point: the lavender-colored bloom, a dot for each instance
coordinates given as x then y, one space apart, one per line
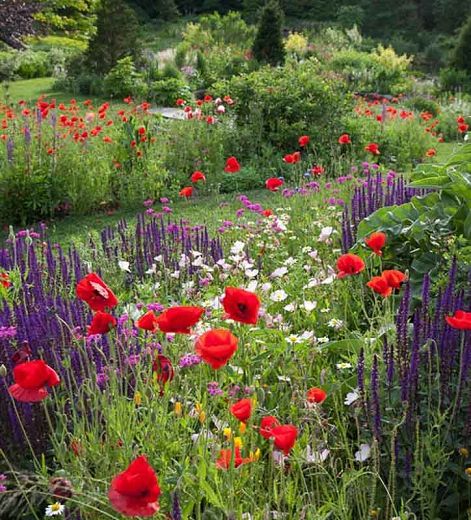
214 389
189 360
376 412
176 509
10 147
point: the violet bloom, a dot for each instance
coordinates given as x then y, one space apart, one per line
240 212
149 211
132 360
189 360
156 307
148 203
213 389
167 209
164 200
7 332
101 379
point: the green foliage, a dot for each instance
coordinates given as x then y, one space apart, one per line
75 17
165 9
422 104
117 36
165 92
454 80
350 15
268 45
122 80
462 52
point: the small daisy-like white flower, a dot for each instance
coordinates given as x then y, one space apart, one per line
351 397
323 339
364 453
343 366
278 296
325 310
293 339
55 509
251 273
284 379
124 266
309 306
291 307
335 323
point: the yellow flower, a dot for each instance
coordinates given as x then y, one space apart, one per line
177 408
242 427
255 455
238 442
138 398
198 407
468 472
227 433
464 452
202 417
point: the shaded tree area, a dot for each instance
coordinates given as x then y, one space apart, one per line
17 21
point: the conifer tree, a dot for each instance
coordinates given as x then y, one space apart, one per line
268 45
461 58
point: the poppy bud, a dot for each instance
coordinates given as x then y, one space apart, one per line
3 371
60 488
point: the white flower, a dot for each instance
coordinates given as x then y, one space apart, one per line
307 335
314 254
278 296
184 261
237 247
290 261
278 273
152 270
316 457
324 339
363 453
309 306
124 266
266 287
175 274
284 379
335 323
351 397
328 280
293 339
197 262
251 273
158 258
343 366
325 310
325 234
55 509
291 307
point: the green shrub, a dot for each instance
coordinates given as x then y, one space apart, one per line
166 91
32 64
453 80
123 79
422 104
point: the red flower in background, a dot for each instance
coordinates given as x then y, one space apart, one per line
216 347
317 170
463 128
273 183
292 158
380 285
316 395
180 102
241 305
232 165
186 192
93 291
147 322
304 140
198 176
242 410
373 148
461 320
349 264
394 278
162 369
31 379
179 320
135 491
267 424
102 323
285 437
267 212
344 139
431 152
376 241
225 459
5 280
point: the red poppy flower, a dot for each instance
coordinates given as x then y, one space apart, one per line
273 183
284 437
461 320
5 280
208 98
345 139
267 212
102 323
93 290
135 491
349 264
316 395
431 152
147 322
463 128
198 176
267 424
241 305
380 285
216 347
317 170
394 278
226 456
162 369
292 158
179 319
373 148
242 410
460 120
141 130
304 140
180 102
31 379
186 192
376 242
232 165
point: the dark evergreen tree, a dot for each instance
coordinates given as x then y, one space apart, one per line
166 10
461 58
252 9
117 35
268 45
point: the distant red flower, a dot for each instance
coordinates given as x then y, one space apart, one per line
228 100
344 139
225 459
460 120
180 102
376 241
241 305
135 491
198 176
317 170
267 424
380 285
186 192
463 128
93 291
273 183
147 321
162 369
232 165
242 410
215 347
210 120
31 379
304 140
179 319
373 148
461 320
394 278
102 323
349 264
431 152
5 280
316 395
128 100
267 212
284 437
292 158
141 130
207 98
